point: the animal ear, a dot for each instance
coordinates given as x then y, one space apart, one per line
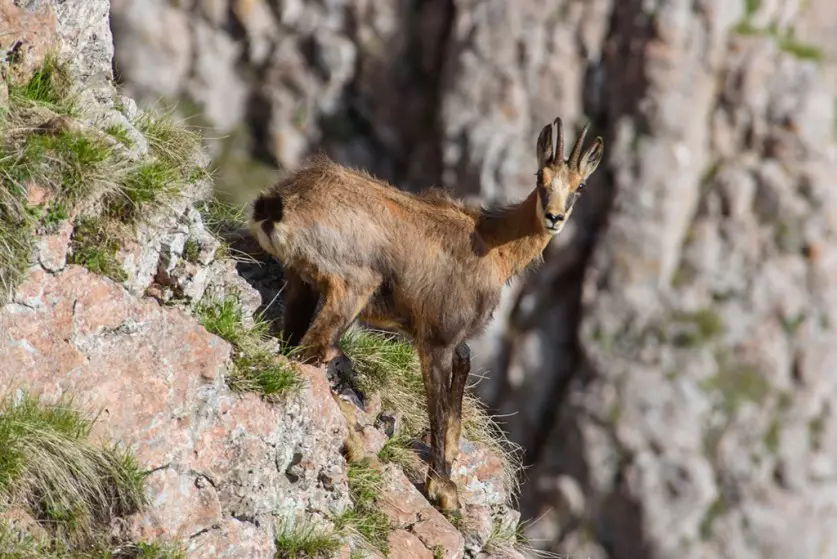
545 147
592 157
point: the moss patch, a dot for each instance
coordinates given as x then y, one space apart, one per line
696 328
737 383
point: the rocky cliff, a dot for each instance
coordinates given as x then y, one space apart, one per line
147 409
669 368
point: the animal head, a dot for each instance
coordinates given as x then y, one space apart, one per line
561 182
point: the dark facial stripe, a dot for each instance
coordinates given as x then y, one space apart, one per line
544 194
571 199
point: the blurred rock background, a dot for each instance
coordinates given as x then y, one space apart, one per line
670 370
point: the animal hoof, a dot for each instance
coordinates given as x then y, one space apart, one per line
340 370
341 375
443 493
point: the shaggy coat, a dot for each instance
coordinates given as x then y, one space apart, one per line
423 264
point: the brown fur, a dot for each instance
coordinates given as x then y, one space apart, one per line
425 264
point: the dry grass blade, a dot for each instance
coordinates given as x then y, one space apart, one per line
48 465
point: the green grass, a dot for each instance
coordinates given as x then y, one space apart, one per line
94 248
508 540
49 87
307 541
120 134
787 42
41 144
398 450
221 217
15 544
67 165
257 368
17 232
365 518
192 250
44 142
48 465
153 550
171 141
800 50
816 428
387 365
145 186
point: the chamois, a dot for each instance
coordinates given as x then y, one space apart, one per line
423 264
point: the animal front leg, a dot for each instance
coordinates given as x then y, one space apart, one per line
300 304
341 305
435 365
460 369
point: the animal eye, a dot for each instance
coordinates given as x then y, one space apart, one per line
581 186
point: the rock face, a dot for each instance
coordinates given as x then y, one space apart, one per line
669 366
218 460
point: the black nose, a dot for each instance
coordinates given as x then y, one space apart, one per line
553 218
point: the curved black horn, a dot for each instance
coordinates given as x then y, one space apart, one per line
559 149
579 143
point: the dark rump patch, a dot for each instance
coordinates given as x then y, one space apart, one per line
268 208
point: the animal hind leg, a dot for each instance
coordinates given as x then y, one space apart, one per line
460 369
435 364
300 304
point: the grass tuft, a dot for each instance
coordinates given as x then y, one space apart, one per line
365 518
220 217
17 544
257 368
192 250
49 87
171 141
45 148
387 365
48 465
508 540
94 248
146 185
120 134
399 450
305 542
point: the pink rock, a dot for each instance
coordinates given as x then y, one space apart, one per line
36 194
404 544
52 249
408 509
156 377
232 540
181 507
34 33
